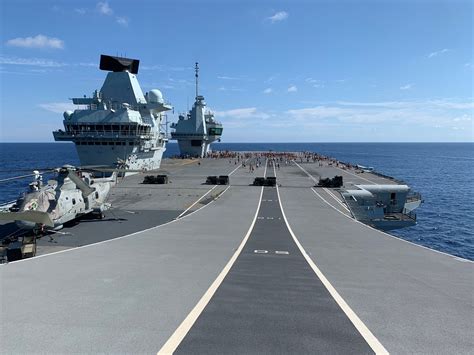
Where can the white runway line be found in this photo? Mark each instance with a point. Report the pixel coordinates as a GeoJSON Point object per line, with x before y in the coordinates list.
{"type": "Point", "coordinates": [336, 199]}
{"type": "Point", "coordinates": [369, 337]}
{"type": "Point", "coordinates": [118, 238]}
{"type": "Point", "coordinates": [195, 202]}
{"type": "Point", "coordinates": [390, 235]}
{"type": "Point", "coordinates": [177, 337]}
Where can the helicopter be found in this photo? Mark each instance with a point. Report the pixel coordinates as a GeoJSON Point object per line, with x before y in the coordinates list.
{"type": "Point", "coordinates": [47, 207]}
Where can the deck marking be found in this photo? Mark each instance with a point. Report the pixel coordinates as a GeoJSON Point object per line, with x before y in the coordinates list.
{"type": "Point", "coordinates": [387, 234]}
{"type": "Point", "coordinates": [311, 176]}
{"type": "Point", "coordinates": [200, 198]}
{"type": "Point", "coordinates": [258, 251]}
{"type": "Point", "coordinates": [123, 236]}
{"type": "Point", "coordinates": [357, 176]}
{"type": "Point", "coordinates": [282, 252]}
{"type": "Point", "coordinates": [370, 338]}
{"type": "Point", "coordinates": [118, 238]}
{"type": "Point", "coordinates": [390, 235]}
{"type": "Point", "coordinates": [336, 199]}
{"type": "Point", "coordinates": [195, 202]}
{"type": "Point", "coordinates": [177, 337]}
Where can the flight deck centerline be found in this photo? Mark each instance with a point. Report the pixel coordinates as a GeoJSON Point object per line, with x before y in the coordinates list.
{"type": "Point", "coordinates": [270, 300]}
{"type": "Point", "coordinates": [173, 342]}
{"type": "Point", "coordinates": [202, 336]}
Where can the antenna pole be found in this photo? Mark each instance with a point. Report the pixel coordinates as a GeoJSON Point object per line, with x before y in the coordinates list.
{"type": "Point", "coordinates": [196, 68]}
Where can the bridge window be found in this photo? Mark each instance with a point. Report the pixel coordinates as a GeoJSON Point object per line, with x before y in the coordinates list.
{"type": "Point", "coordinates": [215, 131]}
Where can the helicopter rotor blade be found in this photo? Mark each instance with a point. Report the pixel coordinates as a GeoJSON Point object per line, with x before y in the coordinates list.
{"type": "Point", "coordinates": [29, 216]}
{"type": "Point", "coordinates": [86, 189]}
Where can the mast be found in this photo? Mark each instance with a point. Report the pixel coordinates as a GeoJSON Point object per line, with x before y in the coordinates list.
{"type": "Point", "coordinates": [196, 68]}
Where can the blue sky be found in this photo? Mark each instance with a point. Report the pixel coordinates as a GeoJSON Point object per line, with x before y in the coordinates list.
{"type": "Point", "coordinates": [272, 71]}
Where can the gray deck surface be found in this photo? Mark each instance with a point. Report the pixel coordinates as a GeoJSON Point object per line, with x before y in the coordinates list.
{"type": "Point", "coordinates": [272, 303]}
{"type": "Point", "coordinates": [122, 296]}
{"type": "Point", "coordinates": [129, 295]}
{"type": "Point", "coordinates": [413, 299]}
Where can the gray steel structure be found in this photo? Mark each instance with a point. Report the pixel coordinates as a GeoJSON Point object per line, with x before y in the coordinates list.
{"type": "Point", "coordinates": [118, 124]}
{"type": "Point", "coordinates": [198, 129]}
{"type": "Point", "coordinates": [236, 269]}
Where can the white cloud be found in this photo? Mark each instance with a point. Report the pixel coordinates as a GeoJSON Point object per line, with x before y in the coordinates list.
{"type": "Point", "coordinates": [243, 113]}
{"type": "Point", "coordinates": [268, 91]}
{"type": "Point", "coordinates": [35, 62]}
{"type": "Point", "coordinates": [406, 87]}
{"type": "Point", "coordinates": [80, 11]}
{"type": "Point", "coordinates": [437, 53]}
{"type": "Point", "coordinates": [39, 41]}
{"type": "Point", "coordinates": [315, 82]}
{"type": "Point", "coordinates": [104, 8]}
{"type": "Point", "coordinates": [426, 113]}
{"type": "Point", "coordinates": [122, 21]}
{"type": "Point", "coordinates": [89, 64]}
{"type": "Point", "coordinates": [58, 107]}
{"type": "Point", "coordinates": [223, 77]}
{"type": "Point", "coordinates": [279, 16]}
{"type": "Point", "coordinates": [292, 88]}
{"type": "Point", "coordinates": [456, 105]}
{"type": "Point", "coordinates": [232, 88]}
{"type": "Point", "coordinates": [312, 81]}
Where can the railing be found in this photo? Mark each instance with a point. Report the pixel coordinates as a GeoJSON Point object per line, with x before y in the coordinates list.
{"type": "Point", "coordinates": [117, 105]}
{"type": "Point", "coordinates": [409, 214]}
{"type": "Point", "coordinates": [415, 196]}
{"type": "Point", "coordinates": [189, 135]}
{"type": "Point", "coordinates": [104, 134]}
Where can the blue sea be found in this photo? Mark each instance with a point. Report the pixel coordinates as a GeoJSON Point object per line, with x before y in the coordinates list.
{"type": "Point", "coordinates": [441, 172]}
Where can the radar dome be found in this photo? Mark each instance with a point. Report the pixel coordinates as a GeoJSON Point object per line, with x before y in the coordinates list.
{"type": "Point", "coordinates": [67, 114]}
{"type": "Point", "coordinates": [155, 96]}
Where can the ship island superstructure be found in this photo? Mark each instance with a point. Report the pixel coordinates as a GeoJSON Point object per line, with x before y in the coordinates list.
{"type": "Point", "coordinates": [118, 125]}
{"type": "Point", "coordinates": [198, 129]}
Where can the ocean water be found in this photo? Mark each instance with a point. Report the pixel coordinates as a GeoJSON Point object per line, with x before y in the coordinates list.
{"type": "Point", "coordinates": [441, 172]}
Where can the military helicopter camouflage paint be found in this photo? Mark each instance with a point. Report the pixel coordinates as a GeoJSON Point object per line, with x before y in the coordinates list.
{"type": "Point", "coordinates": [46, 207]}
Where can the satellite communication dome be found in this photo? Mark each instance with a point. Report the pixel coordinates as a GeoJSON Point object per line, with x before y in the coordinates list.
{"type": "Point", "coordinates": [67, 114]}
{"type": "Point", "coordinates": [155, 96]}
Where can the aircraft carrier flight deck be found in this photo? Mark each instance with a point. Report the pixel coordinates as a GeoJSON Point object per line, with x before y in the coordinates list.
{"type": "Point", "coordinates": [193, 268]}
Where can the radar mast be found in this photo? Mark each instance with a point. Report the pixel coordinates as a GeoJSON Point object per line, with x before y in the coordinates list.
{"type": "Point", "coordinates": [196, 68]}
